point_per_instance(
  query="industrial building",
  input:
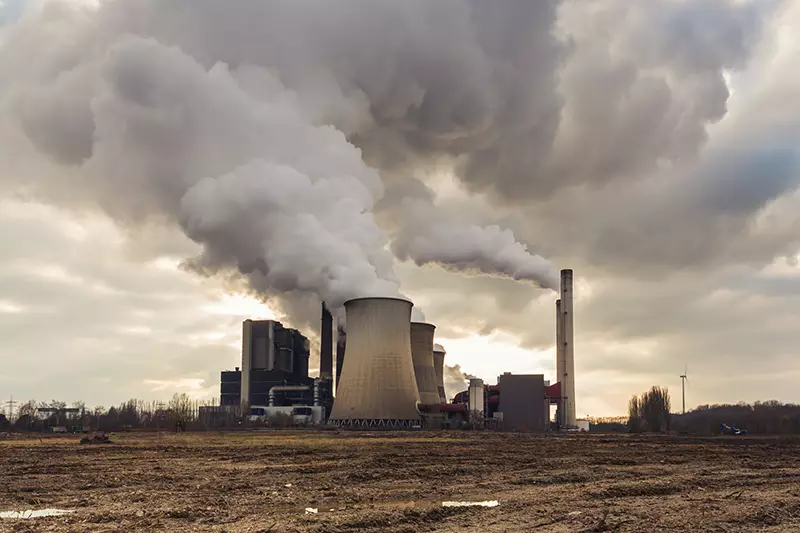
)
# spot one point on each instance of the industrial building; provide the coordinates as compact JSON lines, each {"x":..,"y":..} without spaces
{"x":389,"y":373}
{"x":438,"y":366}
{"x":522,"y":402}
{"x":422,"y":356}
{"x":378,"y":386}
{"x":272,"y":356}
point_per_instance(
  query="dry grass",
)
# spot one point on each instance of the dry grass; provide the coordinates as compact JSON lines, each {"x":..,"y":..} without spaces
{"x":244,"y":482}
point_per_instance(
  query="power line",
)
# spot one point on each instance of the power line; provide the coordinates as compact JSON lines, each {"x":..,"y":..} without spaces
{"x":11,"y":403}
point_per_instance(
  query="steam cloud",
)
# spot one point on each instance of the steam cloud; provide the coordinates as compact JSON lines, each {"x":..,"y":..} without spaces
{"x":426,"y":237}
{"x":261,"y":127}
{"x":455,"y":380}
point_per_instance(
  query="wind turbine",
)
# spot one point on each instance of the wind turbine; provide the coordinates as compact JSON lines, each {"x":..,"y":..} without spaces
{"x":683,"y":389}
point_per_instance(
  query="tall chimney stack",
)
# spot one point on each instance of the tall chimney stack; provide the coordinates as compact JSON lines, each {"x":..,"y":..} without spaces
{"x":567,"y":373}
{"x":561,"y":363}
{"x":326,"y":344}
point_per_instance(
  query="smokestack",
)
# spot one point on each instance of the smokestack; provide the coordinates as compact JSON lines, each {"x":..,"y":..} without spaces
{"x":341,"y":344}
{"x":379,"y":387}
{"x":567,"y":377}
{"x":561,"y":363}
{"x":326,"y":344}
{"x":476,"y":396}
{"x":438,"y":367}
{"x":422,"y":355}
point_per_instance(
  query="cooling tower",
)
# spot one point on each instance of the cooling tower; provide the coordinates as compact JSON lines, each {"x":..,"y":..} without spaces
{"x":422,"y":355}
{"x":379,"y":387}
{"x":568,"y":377}
{"x":438,"y":367}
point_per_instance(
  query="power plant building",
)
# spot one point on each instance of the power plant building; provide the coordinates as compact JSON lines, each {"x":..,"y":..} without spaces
{"x":422,"y":355}
{"x":272,"y":355}
{"x":522,"y":402}
{"x":438,"y":366}
{"x":388,"y":372}
{"x":378,"y":386}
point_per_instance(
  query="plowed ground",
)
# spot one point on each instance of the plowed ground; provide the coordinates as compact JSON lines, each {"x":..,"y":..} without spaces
{"x":396,"y":482}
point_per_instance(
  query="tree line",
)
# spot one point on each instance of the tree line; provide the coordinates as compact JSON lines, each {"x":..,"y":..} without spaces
{"x":650,"y":412}
{"x":180,"y":411}
{"x":761,"y":418}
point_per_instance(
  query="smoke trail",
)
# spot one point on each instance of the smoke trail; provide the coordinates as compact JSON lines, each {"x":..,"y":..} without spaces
{"x":426,"y":237}
{"x":263,"y":190}
{"x":455,"y":380}
{"x":262,"y":145}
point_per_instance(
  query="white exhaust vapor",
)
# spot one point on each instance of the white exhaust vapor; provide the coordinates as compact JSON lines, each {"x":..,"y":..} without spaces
{"x":267,"y":148}
{"x":487,"y":250}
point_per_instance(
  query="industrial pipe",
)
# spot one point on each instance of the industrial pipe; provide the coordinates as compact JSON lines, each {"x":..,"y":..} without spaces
{"x":285,"y":388}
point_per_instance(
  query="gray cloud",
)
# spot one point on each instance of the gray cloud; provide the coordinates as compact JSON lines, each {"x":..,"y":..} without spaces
{"x":600,"y":134}
{"x":87,"y":324}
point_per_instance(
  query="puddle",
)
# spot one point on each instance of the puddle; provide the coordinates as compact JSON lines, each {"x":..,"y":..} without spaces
{"x":311,"y":510}
{"x":492,"y":503}
{"x":24,"y":515}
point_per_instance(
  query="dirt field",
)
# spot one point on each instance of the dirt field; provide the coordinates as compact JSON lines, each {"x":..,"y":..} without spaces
{"x":396,"y":482}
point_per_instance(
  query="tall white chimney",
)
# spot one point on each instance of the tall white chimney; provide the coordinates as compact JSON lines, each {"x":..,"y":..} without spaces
{"x":561,"y":362}
{"x":566,"y":373}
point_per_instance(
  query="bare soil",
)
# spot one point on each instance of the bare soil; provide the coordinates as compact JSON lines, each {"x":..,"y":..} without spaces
{"x":396,"y":482}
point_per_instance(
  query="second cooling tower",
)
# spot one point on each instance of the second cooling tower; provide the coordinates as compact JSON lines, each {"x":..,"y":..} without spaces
{"x":438,"y":366}
{"x":422,"y":354}
{"x":378,"y":385}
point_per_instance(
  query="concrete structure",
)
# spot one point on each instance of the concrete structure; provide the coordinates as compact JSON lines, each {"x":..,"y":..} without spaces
{"x":422,"y":355}
{"x":561,"y":362}
{"x":290,"y":395}
{"x":567,"y":374}
{"x":378,"y":386}
{"x":271,"y":355}
{"x":230,"y":387}
{"x":301,"y":414}
{"x":341,"y":345}
{"x":477,"y":397}
{"x":326,"y":344}
{"x":522,"y":402}
{"x":438,"y":367}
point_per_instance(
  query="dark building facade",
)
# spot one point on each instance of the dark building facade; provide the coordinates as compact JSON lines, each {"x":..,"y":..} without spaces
{"x":230,"y":387}
{"x":522,"y":402}
{"x":272,"y":355}
{"x":326,"y":344}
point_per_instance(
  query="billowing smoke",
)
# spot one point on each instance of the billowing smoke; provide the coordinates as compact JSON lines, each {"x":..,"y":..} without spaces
{"x":269,"y":130}
{"x":263,"y":190}
{"x":425,"y":236}
{"x":455,"y":380}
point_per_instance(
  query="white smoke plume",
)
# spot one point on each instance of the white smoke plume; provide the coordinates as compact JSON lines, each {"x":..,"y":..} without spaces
{"x":267,"y":130}
{"x":262,"y":189}
{"x":425,"y":236}
{"x":455,"y":380}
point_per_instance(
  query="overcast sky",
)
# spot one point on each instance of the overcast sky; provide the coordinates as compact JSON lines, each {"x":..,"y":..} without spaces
{"x":652,"y":147}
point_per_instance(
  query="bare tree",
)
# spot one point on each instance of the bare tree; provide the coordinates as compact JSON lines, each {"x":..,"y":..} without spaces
{"x":650,"y":411}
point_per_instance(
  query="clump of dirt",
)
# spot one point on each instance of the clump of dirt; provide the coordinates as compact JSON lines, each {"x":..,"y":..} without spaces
{"x":97,"y":438}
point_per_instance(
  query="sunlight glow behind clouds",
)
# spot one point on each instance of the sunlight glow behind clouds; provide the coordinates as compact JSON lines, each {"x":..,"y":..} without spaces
{"x":239,"y":305}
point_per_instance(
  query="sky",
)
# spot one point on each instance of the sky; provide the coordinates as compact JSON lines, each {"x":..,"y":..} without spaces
{"x":169,"y":170}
